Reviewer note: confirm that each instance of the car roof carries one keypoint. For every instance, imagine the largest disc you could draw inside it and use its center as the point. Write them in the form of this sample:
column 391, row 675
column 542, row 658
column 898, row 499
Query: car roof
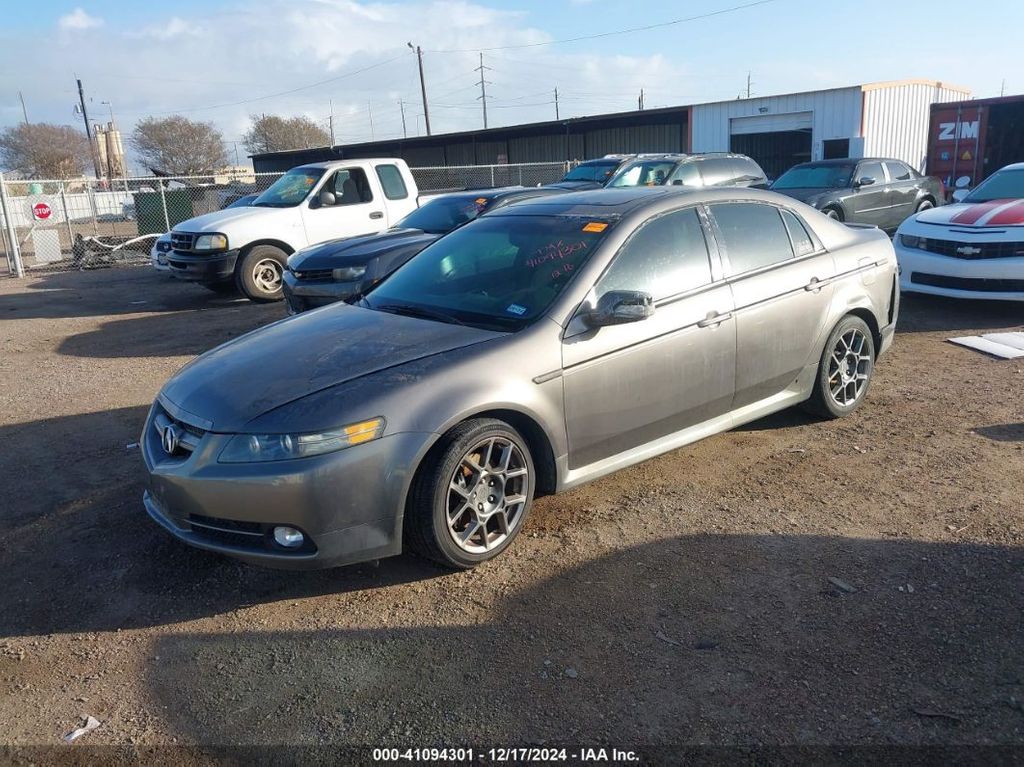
column 848, row 161
column 328, row 164
column 498, row 193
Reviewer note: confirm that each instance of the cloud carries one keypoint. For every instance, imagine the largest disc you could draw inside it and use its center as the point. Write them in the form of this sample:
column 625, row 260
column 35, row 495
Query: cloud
column 78, row 19
column 172, row 28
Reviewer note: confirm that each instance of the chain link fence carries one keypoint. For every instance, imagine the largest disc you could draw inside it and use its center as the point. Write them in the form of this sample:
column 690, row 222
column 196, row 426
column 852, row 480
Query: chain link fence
column 60, row 225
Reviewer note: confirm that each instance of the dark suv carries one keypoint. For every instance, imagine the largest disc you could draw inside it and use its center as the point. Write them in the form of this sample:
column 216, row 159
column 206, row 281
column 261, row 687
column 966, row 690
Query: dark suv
column 691, row 170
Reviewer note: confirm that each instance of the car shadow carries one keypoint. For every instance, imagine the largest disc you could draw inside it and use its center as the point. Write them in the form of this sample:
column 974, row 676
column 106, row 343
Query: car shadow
column 711, row 639
column 81, row 554
column 920, row 313
column 1003, row 432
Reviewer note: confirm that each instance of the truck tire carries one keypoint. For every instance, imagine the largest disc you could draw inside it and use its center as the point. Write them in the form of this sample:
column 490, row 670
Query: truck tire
column 259, row 272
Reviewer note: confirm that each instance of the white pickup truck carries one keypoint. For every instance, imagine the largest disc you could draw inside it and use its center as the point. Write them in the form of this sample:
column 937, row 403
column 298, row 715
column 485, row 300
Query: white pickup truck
column 247, row 248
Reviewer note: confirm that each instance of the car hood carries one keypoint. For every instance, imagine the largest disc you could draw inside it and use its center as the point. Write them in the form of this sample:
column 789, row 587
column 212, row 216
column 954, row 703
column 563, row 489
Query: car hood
column 358, row 250
column 977, row 214
column 219, row 220
column 313, row 351
column 806, row 194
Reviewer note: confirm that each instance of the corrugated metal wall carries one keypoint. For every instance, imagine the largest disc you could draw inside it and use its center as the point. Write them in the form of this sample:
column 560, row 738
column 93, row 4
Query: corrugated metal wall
column 896, row 120
column 836, row 114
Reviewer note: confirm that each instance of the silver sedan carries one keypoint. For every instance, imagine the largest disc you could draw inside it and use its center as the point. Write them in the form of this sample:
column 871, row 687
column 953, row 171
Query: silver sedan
column 537, row 348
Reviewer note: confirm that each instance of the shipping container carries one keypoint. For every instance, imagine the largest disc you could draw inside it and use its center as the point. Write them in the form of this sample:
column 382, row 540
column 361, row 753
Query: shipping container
column 970, row 140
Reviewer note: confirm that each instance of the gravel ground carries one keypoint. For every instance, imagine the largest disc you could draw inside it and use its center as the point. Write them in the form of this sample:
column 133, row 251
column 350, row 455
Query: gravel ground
column 792, row 582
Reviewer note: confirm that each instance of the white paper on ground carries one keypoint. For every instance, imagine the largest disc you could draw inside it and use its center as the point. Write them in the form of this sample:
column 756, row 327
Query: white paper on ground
column 91, row 723
column 1008, row 346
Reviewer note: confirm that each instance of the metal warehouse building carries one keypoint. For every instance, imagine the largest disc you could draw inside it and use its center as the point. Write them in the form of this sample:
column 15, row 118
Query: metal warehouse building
column 880, row 119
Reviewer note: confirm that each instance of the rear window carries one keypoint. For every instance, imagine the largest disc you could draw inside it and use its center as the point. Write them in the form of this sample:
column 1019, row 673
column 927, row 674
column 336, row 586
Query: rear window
column 391, row 179
column 898, row 171
column 442, row 215
column 652, row 173
column 829, row 176
column 754, row 235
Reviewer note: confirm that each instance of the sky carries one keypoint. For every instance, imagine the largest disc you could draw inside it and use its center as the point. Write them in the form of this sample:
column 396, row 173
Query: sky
column 224, row 60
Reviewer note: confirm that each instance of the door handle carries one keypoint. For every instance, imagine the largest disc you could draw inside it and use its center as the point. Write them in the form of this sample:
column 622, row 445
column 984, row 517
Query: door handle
column 814, row 285
column 376, row 214
column 713, row 320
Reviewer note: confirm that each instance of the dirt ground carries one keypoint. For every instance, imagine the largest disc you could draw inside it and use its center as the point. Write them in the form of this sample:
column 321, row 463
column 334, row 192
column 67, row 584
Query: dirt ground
column 686, row 600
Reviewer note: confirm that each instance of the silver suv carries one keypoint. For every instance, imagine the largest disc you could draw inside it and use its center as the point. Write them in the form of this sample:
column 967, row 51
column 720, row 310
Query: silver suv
column 691, row 170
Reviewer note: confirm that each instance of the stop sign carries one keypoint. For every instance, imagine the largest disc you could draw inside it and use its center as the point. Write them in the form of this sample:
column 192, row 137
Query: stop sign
column 41, row 211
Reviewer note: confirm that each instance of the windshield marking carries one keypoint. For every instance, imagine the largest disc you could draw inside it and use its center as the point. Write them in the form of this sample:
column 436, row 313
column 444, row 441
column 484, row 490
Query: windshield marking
column 554, row 251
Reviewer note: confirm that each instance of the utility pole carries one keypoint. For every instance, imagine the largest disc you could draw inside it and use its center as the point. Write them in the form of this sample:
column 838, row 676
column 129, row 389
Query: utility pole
column 483, row 87
column 88, row 130
column 423, row 86
column 369, row 109
column 556, row 104
column 401, row 106
column 24, row 112
column 640, row 101
column 1002, row 92
column 749, row 92
column 331, row 121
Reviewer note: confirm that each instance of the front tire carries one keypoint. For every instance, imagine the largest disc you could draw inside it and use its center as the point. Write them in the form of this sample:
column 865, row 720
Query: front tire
column 924, row 205
column 259, row 273
column 845, row 370
column 833, row 213
column 472, row 495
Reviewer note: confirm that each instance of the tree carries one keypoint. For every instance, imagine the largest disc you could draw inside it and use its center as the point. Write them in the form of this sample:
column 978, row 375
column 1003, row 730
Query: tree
column 42, row 150
column 270, row 133
column 179, row 146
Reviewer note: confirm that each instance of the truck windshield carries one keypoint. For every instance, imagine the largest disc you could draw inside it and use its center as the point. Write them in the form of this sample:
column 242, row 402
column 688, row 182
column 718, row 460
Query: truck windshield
column 1004, row 185
column 498, row 272
column 291, row 189
column 815, row 177
column 442, row 215
column 651, row 173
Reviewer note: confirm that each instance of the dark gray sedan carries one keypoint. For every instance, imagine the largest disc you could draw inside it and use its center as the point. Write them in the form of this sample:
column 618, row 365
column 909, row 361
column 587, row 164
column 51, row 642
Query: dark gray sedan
column 876, row 191
column 539, row 347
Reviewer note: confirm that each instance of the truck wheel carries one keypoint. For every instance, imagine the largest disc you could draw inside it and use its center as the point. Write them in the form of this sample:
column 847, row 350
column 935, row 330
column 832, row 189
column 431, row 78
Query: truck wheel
column 259, row 271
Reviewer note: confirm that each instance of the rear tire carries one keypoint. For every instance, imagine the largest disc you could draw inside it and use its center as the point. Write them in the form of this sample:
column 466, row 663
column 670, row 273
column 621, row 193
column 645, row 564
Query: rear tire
column 925, row 205
column 845, row 371
column 833, row 213
column 472, row 494
column 259, row 272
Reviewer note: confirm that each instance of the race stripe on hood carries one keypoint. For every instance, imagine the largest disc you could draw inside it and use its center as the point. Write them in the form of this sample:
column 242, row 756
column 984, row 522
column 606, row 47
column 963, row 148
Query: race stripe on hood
column 975, row 213
column 1011, row 215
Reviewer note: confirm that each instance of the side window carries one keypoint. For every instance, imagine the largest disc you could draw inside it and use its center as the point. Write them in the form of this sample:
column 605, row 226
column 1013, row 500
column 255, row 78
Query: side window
column 871, row 170
column 716, row 171
column 803, row 243
column 754, row 235
column 687, row 174
column 898, row 171
column 666, row 256
column 391, row 179
column 351, row 187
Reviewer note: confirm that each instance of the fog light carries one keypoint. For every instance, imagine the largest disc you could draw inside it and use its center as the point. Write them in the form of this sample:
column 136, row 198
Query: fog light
column 288, row 537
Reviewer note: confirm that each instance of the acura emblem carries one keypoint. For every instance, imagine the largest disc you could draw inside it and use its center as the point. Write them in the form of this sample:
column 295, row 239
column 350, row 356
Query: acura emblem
column 968, row 250
column 170, row 439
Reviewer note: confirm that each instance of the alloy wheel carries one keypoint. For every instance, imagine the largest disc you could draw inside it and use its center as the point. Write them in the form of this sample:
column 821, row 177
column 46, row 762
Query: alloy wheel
column 849, row 368
column 487, row 495
column 267, row 274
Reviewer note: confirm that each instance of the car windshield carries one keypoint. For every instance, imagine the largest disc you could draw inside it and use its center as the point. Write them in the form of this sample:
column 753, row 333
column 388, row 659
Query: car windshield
column 442, row 215
column 1002, row 185
column 499, row 272
column 291, row 189
column 815, row 177
column 596, row 171
column 651, row 173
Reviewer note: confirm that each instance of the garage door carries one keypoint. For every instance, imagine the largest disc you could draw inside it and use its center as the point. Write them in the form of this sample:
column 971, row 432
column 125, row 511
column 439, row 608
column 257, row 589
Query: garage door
column 741, row 126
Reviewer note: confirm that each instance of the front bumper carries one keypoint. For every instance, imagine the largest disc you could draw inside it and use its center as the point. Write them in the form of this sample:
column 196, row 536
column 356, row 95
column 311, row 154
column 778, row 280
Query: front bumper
column 349, row 504
column 214, row 267
column 992, row 279
column 303, row 295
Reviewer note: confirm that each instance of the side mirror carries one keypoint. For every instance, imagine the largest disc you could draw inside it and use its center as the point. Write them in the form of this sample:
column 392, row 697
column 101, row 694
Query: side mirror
column 327, row 198
column 865, row 181
column 617, row 307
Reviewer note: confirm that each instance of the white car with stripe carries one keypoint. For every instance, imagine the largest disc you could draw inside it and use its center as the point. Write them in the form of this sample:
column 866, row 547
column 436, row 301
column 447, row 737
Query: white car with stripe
column 974, row 249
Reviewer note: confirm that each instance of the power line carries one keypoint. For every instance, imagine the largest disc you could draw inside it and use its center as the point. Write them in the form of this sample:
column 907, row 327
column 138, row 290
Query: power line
column 612, row 33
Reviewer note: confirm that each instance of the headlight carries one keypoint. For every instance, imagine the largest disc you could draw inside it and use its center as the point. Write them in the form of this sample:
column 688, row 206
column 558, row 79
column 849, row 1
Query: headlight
column 348, row 273
column 252, row 448
column 211, row 242
column 910, row 241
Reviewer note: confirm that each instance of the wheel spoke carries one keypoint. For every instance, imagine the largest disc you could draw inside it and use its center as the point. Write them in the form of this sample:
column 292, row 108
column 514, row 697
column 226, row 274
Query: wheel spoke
column 502, row 517
column 462, row 491
column 513, row 473
column 471, row 529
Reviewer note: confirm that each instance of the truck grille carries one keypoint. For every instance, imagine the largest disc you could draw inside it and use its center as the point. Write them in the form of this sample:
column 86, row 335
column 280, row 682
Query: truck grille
column 968, row 283
column 974, row 251
column 182, row 241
